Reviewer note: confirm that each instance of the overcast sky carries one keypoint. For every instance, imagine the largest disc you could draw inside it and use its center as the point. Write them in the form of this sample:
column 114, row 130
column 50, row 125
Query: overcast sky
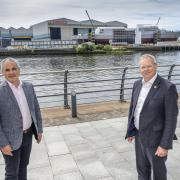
column 17, row 13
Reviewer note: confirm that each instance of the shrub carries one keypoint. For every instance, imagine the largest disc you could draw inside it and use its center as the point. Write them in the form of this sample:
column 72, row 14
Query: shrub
column 107, row 48
column 85, row 47
column 99, row 47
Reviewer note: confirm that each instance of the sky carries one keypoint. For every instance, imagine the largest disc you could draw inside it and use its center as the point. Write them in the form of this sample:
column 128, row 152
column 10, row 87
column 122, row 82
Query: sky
column 24, row 13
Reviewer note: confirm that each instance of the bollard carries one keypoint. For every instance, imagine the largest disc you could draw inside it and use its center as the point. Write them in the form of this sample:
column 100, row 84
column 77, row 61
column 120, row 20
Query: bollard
column 122, row 84
column 66, row 90
column 73, row 104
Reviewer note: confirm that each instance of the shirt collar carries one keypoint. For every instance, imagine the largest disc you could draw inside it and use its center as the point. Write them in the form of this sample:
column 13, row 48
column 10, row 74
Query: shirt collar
column 151, row 81
column 13, row 86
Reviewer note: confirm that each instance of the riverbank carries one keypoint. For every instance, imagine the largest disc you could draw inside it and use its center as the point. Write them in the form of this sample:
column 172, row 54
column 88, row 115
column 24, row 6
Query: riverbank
column 50, row 52
column 86, row 49
column 86, row 112
column 155, row 48
column 28, row 52
column 58, row 115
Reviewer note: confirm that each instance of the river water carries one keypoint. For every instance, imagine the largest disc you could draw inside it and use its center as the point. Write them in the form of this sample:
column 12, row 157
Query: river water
column 72, row 62
column 53, row 63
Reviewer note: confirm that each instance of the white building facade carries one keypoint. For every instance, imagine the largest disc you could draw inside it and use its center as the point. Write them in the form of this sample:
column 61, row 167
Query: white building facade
column 67, row 29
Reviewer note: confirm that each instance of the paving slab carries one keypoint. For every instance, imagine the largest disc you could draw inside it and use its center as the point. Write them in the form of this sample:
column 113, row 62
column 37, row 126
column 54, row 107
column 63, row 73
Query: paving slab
column 55, row 141
column 41, row 173
column 39, row 156
column 63, row 164
column 83, row 151
column 1, row 159
column 107, row 178
column 109, row 155
column 92, row 169
column 2, row 171
column 74, row 139
column 69, row 176
column 93, row 150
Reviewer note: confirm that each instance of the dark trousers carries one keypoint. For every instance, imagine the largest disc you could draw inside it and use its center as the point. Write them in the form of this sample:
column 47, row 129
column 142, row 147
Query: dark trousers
column 147, row 161
column 16, row 165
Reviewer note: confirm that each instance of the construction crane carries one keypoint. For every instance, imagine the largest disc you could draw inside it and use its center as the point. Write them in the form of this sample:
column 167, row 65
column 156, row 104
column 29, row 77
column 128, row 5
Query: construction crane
column 158, row 21
column 157, row 34
column 92, row 33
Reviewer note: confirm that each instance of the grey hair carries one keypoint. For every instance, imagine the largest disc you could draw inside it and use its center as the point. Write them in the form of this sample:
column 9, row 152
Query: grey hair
column 9, row 59
column 148, row 56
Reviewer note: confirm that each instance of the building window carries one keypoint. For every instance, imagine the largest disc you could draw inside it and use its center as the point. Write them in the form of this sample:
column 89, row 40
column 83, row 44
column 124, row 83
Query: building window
column 55, row 33
column 10, row 33
column 101, row 31
column 75, row 31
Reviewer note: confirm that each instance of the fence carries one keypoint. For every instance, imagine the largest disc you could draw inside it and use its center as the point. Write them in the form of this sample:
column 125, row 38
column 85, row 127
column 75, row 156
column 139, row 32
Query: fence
column 91, row 85
column 44, row 44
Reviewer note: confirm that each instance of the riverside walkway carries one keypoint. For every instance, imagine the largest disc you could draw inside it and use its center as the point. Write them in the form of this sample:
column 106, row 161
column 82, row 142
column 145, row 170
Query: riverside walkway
column 93, row 150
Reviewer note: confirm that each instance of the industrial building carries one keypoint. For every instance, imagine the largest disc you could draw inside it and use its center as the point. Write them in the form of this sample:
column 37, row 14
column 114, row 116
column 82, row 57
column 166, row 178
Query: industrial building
column 146, row 33
column 67, row 29
column 61, row 32
column 151, row 34
column 115, row 35
column 13, row 34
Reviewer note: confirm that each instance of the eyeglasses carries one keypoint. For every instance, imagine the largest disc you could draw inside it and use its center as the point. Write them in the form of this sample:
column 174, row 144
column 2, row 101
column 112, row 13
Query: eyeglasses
column 13, row 69
column 146, row 67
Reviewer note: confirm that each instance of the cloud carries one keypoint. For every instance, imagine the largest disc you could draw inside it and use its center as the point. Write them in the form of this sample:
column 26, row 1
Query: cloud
column 25, row 13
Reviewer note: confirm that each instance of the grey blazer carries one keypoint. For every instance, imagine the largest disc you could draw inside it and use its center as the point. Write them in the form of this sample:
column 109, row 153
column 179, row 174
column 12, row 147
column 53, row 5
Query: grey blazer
column 158, row 116
column 11, row 124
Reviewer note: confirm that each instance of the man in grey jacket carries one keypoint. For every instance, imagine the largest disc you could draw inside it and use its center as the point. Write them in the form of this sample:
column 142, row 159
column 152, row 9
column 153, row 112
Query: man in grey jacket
column 20, row 118
column 152, row 120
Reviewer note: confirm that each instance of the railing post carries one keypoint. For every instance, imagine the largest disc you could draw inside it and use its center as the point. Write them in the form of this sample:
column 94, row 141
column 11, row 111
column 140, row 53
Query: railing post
column 65, row 90
column 73, row 104
column 170, row 71
column 122, row 84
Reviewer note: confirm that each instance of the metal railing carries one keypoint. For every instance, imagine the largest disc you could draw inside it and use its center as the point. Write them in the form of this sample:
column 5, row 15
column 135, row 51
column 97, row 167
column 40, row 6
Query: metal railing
column 91, row 85
column 44, row 44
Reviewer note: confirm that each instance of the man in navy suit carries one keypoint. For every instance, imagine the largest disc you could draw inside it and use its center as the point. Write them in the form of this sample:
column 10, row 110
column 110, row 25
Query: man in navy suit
column 152, row 120
column 20, row 118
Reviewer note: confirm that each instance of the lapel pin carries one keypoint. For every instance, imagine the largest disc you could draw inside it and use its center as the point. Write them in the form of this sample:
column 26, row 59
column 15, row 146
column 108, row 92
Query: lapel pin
column 155, row 87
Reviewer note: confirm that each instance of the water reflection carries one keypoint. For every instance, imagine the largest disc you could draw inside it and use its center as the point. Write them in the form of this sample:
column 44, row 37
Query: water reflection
column 57, row 63
column 54, row 63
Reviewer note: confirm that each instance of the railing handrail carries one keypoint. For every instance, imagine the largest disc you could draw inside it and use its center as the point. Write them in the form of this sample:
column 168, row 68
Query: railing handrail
column 89, row 69
column 67, row 80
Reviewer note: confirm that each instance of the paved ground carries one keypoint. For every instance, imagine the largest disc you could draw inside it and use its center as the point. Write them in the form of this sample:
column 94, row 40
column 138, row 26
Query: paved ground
column 57, row 116
column 93, row 150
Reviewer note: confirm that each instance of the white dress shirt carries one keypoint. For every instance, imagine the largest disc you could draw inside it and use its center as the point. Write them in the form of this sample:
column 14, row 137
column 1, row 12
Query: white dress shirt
column 146, row 86
column 22, row 103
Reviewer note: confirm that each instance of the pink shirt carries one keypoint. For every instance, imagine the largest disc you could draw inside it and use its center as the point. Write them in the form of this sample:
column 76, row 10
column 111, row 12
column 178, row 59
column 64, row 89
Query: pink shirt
column 23, row 105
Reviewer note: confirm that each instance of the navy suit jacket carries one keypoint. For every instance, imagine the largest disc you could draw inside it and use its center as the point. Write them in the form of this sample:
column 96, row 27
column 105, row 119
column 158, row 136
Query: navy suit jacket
column 158, row 117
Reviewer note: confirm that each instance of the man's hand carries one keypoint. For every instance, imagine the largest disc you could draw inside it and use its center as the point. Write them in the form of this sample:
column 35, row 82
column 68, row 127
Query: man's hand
column 161, row 152
column 39, row 138
column 7, row 150
column 130, row 139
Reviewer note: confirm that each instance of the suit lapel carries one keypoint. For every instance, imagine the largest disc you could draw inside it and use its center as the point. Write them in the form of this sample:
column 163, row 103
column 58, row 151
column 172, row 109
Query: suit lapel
column 136, row 94
column 152, row 91
column 11, row 94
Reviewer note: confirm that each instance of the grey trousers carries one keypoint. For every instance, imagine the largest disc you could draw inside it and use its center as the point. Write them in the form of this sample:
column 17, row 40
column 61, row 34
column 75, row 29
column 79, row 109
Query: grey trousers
column 147, row 161
column 16, row 165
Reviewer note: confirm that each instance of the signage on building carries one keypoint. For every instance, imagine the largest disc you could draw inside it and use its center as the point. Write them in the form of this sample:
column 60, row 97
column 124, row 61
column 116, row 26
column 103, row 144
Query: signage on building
column 57, row 22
